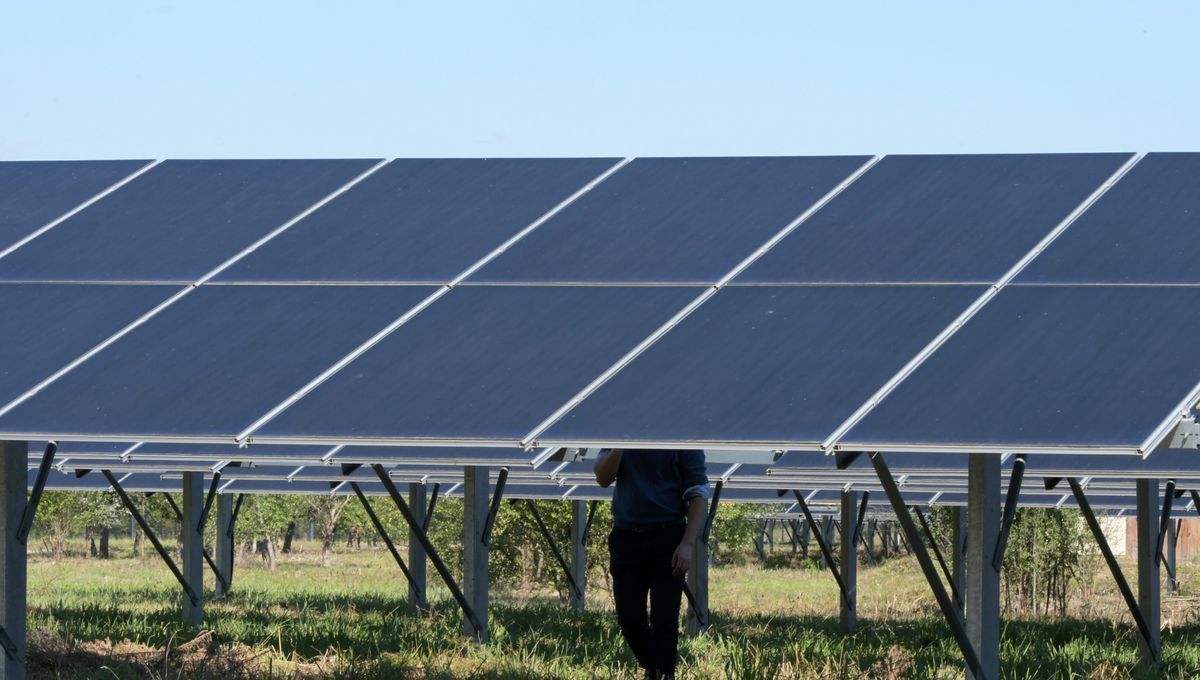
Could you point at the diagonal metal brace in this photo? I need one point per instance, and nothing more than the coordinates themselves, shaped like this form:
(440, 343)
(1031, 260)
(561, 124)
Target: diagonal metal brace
(233, 517)
(1085, 508)
(1010, 509)
(949, 611)
(379, 529)
(430, 551)
(433, 496)
(208, 558)
(497, 496)
(862, 517)
(158, 546)
(35, 497)
(712, 511)
(825, 549)
(208, 501)
(10, 647)
(937, 552)
(587, 526)
(1164, 524)
(562, 562)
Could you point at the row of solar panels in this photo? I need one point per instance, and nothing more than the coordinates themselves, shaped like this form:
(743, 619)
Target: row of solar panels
(925, 479)
(842, 275)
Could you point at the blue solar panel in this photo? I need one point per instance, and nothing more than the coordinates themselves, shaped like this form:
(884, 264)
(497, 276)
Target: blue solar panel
(418, 220)
(1143, 230)
(299, 452)
(35, 193)
(51, 325)
(936, 219)
(675, 220)
(178, 221)
(483, 362)
(766, 364)
(1047, 366)
(213, 362)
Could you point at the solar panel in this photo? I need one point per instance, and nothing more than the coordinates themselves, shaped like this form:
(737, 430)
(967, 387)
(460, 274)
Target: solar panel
(51, 325)
(422, 220)
(471, 455)
(671, 220)
(178, 221)
(936, 219)
(1142, 231)
(212, 362)
(771, 365)
(299, 453)
(483, 363)
(1045, 367)
(35, 193)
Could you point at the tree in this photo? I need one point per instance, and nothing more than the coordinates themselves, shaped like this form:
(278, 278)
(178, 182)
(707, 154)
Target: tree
(326, 513)
(62, 513)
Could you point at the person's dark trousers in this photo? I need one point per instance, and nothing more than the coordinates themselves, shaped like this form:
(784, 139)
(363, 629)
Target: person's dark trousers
(641, 564)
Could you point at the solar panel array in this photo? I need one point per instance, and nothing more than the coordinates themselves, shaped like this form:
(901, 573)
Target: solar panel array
(910, 303)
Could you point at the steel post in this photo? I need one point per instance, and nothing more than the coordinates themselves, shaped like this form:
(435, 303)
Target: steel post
(417, 598)
(14, 460)
(476, 490)
(849, 560)
(192, 556)
(579, 517)
(224, 547)
(1148, 574)
(982, 598)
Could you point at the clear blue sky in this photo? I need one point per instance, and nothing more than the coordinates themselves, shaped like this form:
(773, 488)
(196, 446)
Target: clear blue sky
(287, 79)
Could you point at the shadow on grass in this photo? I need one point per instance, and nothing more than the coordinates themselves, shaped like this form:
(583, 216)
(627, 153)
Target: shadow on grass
(371, 628)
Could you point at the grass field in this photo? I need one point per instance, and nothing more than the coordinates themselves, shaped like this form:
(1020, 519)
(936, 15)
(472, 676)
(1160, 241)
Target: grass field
(119, 618)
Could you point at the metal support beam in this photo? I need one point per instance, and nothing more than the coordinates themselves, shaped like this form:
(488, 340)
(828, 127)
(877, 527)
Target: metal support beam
(949, 611)
(1010, 509)
(14, 464)
(418, 597)
(1172, 542)
(698, 616)
(1085, 508)
(937, 553)
(208, 501)
(1149, 592)
(433, 498)
(224, 547)
(476, 530)
(382, 532)
(497, 496)
(580, 523)
(193, 553)
(981, 601)
(848, 596)
(572, 584)
(189, 593)
(222, 583)
(1164, 525)
(434, 557)
(848, 618)
(35, 495)
(958, 547)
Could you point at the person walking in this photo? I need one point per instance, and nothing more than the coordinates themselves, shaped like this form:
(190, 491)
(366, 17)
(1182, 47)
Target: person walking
(659, 507)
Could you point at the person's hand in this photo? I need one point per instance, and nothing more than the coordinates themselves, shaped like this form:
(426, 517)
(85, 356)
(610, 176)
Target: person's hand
(682, 559)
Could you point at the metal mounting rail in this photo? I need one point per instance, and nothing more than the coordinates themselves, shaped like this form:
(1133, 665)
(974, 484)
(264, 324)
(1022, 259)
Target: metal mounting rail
(430, 551)
(387, 540)
(1085, 508)
(949, 611)
(158, 546)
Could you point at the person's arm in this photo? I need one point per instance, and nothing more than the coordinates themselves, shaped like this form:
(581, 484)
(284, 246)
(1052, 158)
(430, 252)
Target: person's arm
(695, 484)
(697, 514)
(607, 466)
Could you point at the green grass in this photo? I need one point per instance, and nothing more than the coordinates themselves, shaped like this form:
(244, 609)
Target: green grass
(351, 621)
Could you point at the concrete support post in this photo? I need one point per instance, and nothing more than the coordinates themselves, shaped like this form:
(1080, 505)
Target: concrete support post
(476, 492)
(224, 540)
(418, 599)
(1172, 539)
(578, 558)
(192, 557)
(849, 560)
(697, 579)
(983, 582)
(1148, 510)
(14, 460)
(958, 546)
